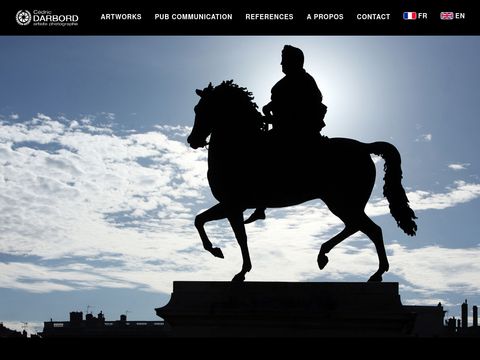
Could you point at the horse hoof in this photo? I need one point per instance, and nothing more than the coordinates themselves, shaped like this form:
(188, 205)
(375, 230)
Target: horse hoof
(375, 278)
(239, 278)
(322, 261)
(217, 252)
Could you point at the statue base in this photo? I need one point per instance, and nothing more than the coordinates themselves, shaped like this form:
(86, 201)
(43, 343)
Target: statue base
(265, 309)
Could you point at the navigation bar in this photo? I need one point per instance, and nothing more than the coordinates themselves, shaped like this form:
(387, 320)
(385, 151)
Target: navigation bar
(444, 18)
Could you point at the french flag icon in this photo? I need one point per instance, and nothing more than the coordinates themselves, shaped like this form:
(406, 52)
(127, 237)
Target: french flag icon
(408, 15)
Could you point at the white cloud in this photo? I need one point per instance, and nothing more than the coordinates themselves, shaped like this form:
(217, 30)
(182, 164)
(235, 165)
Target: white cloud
(92, 195)
(461, 192)
(43, 117)
(427, 270)
(108, 115)
(14, 116)
(44, 279)
(438, 269)
(424, 138)
(457, 167)
(428, 301)
(57, 203)
(31, 327)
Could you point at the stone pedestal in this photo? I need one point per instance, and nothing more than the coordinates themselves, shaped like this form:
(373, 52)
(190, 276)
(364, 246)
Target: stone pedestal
(259, 309)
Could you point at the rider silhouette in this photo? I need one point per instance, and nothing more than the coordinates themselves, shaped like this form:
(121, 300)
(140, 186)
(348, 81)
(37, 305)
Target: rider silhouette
(296, 110)
(296, 104)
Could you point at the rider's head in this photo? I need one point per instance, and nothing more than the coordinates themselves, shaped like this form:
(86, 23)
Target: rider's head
(292, 59)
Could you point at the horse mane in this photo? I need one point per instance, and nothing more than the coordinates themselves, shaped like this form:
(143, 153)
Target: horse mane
(240, 94)
(232, 96)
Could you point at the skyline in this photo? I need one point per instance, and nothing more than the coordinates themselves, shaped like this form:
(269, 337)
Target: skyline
(98, 188)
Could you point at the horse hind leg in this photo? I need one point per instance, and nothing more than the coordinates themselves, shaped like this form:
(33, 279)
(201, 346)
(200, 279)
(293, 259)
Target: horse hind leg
(216, 212)
(322, 258)
(374, 232)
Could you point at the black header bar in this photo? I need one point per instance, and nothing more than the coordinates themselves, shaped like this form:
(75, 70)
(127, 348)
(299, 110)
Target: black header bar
(336, 18)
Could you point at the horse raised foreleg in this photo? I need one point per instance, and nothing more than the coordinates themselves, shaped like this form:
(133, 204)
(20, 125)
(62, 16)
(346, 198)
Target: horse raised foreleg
(322, 259)
(374, 232)
(236, 221)
(216, 212)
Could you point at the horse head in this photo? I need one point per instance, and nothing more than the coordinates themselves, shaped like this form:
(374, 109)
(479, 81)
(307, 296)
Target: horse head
(217, 103)
(202, 126)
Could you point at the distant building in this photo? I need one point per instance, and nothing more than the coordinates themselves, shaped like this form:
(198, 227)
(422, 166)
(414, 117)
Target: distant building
(93, 326)
(460, 328)
(428, 320)
(378, 314)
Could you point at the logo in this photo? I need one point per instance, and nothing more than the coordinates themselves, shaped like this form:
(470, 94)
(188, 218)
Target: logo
(409, 15)
(448, 15)
(46, 18)
(24, 17)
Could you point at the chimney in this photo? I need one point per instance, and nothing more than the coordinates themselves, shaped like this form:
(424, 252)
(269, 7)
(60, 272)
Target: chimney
(475, 316)
(76, 317)
(451, 324)
(101, 317)
(465, 315)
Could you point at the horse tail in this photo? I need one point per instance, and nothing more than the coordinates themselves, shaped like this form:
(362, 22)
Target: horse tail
(393, 189)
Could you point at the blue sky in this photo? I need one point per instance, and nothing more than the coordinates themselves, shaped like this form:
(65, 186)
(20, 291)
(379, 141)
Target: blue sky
(98, 189)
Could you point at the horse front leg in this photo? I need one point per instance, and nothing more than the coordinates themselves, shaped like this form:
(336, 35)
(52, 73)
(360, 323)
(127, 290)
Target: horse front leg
(236, 221)
(216, 212)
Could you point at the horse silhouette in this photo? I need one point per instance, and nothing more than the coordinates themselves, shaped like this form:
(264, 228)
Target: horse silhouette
(248, 168)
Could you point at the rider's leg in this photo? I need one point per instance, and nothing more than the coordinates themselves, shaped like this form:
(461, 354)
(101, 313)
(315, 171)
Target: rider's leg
(258, 214)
